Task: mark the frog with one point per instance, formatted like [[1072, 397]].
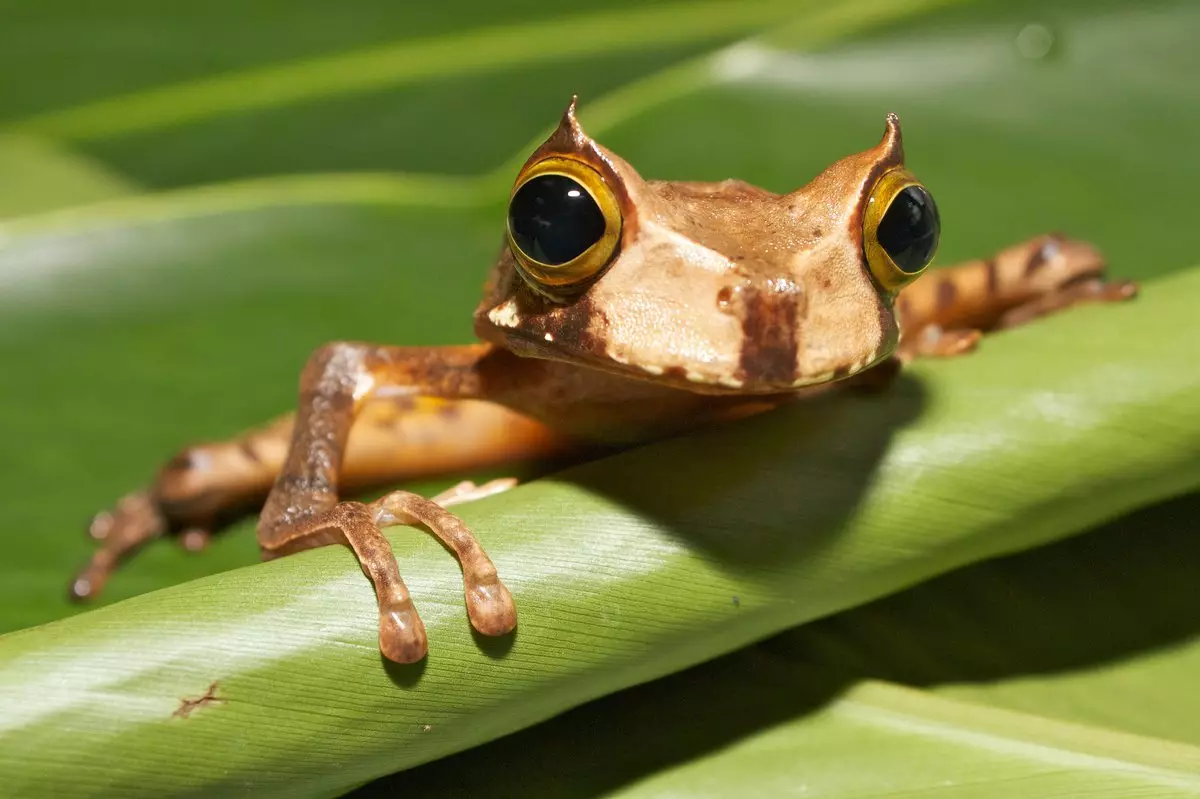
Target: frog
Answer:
[[619, 310]]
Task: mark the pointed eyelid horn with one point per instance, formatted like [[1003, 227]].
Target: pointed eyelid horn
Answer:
[[853, 175], [568, 138]]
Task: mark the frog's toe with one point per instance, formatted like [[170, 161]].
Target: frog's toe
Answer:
[[136, 511], [1118, 290], [490, 607], [195, 539], [134, 520], [101, 524], [402, 635], [89, 581]]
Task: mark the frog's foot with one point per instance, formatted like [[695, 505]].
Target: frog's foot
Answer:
[[490, 606], [402, 637], [1084, 291], [135, 519], [195, 539]]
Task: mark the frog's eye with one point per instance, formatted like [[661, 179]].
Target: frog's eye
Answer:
[[564, 223], [900, 229]]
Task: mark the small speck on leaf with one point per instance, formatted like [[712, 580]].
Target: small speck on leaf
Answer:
[[186, 705]]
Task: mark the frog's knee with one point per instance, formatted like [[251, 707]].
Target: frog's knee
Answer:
[[186, 475]]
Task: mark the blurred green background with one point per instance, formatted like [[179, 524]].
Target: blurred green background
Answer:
[[194, 196]]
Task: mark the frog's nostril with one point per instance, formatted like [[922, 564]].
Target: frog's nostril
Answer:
[[725, 299]]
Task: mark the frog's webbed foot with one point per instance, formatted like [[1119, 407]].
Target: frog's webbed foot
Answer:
[[133, 521]]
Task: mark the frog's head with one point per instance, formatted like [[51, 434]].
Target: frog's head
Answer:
[[715, 287]]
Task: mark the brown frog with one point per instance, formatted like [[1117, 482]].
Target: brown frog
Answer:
[[619, 310]]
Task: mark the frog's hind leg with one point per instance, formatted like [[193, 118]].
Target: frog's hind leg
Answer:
[[948, 310], [393, 440], [194, 493]]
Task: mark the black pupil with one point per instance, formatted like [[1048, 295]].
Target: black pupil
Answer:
[[909, 229], [553, 219]]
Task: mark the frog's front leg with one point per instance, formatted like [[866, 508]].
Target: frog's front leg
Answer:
[[393, 439], [303, 509], [948, 310]]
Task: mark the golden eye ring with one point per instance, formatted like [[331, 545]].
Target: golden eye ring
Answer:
[[564, 224], [901, 229]]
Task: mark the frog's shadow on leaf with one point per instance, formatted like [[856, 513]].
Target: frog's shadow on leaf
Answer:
[[822, 451]]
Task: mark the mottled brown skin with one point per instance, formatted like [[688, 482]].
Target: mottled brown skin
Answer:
[[720, 300]]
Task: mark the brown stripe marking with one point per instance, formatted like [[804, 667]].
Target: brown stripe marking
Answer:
[[676, 373], [1037, 259], [182, 462], [573, 326], [769, 343], [246, 447], [947, 293], [993, 277]]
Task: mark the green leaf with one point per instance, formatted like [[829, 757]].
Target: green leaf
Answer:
[[623, 571], [1098, 631], [133, 326], [51, 177], [749, 725], [919, 744], [136, 46], [409, 61]]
